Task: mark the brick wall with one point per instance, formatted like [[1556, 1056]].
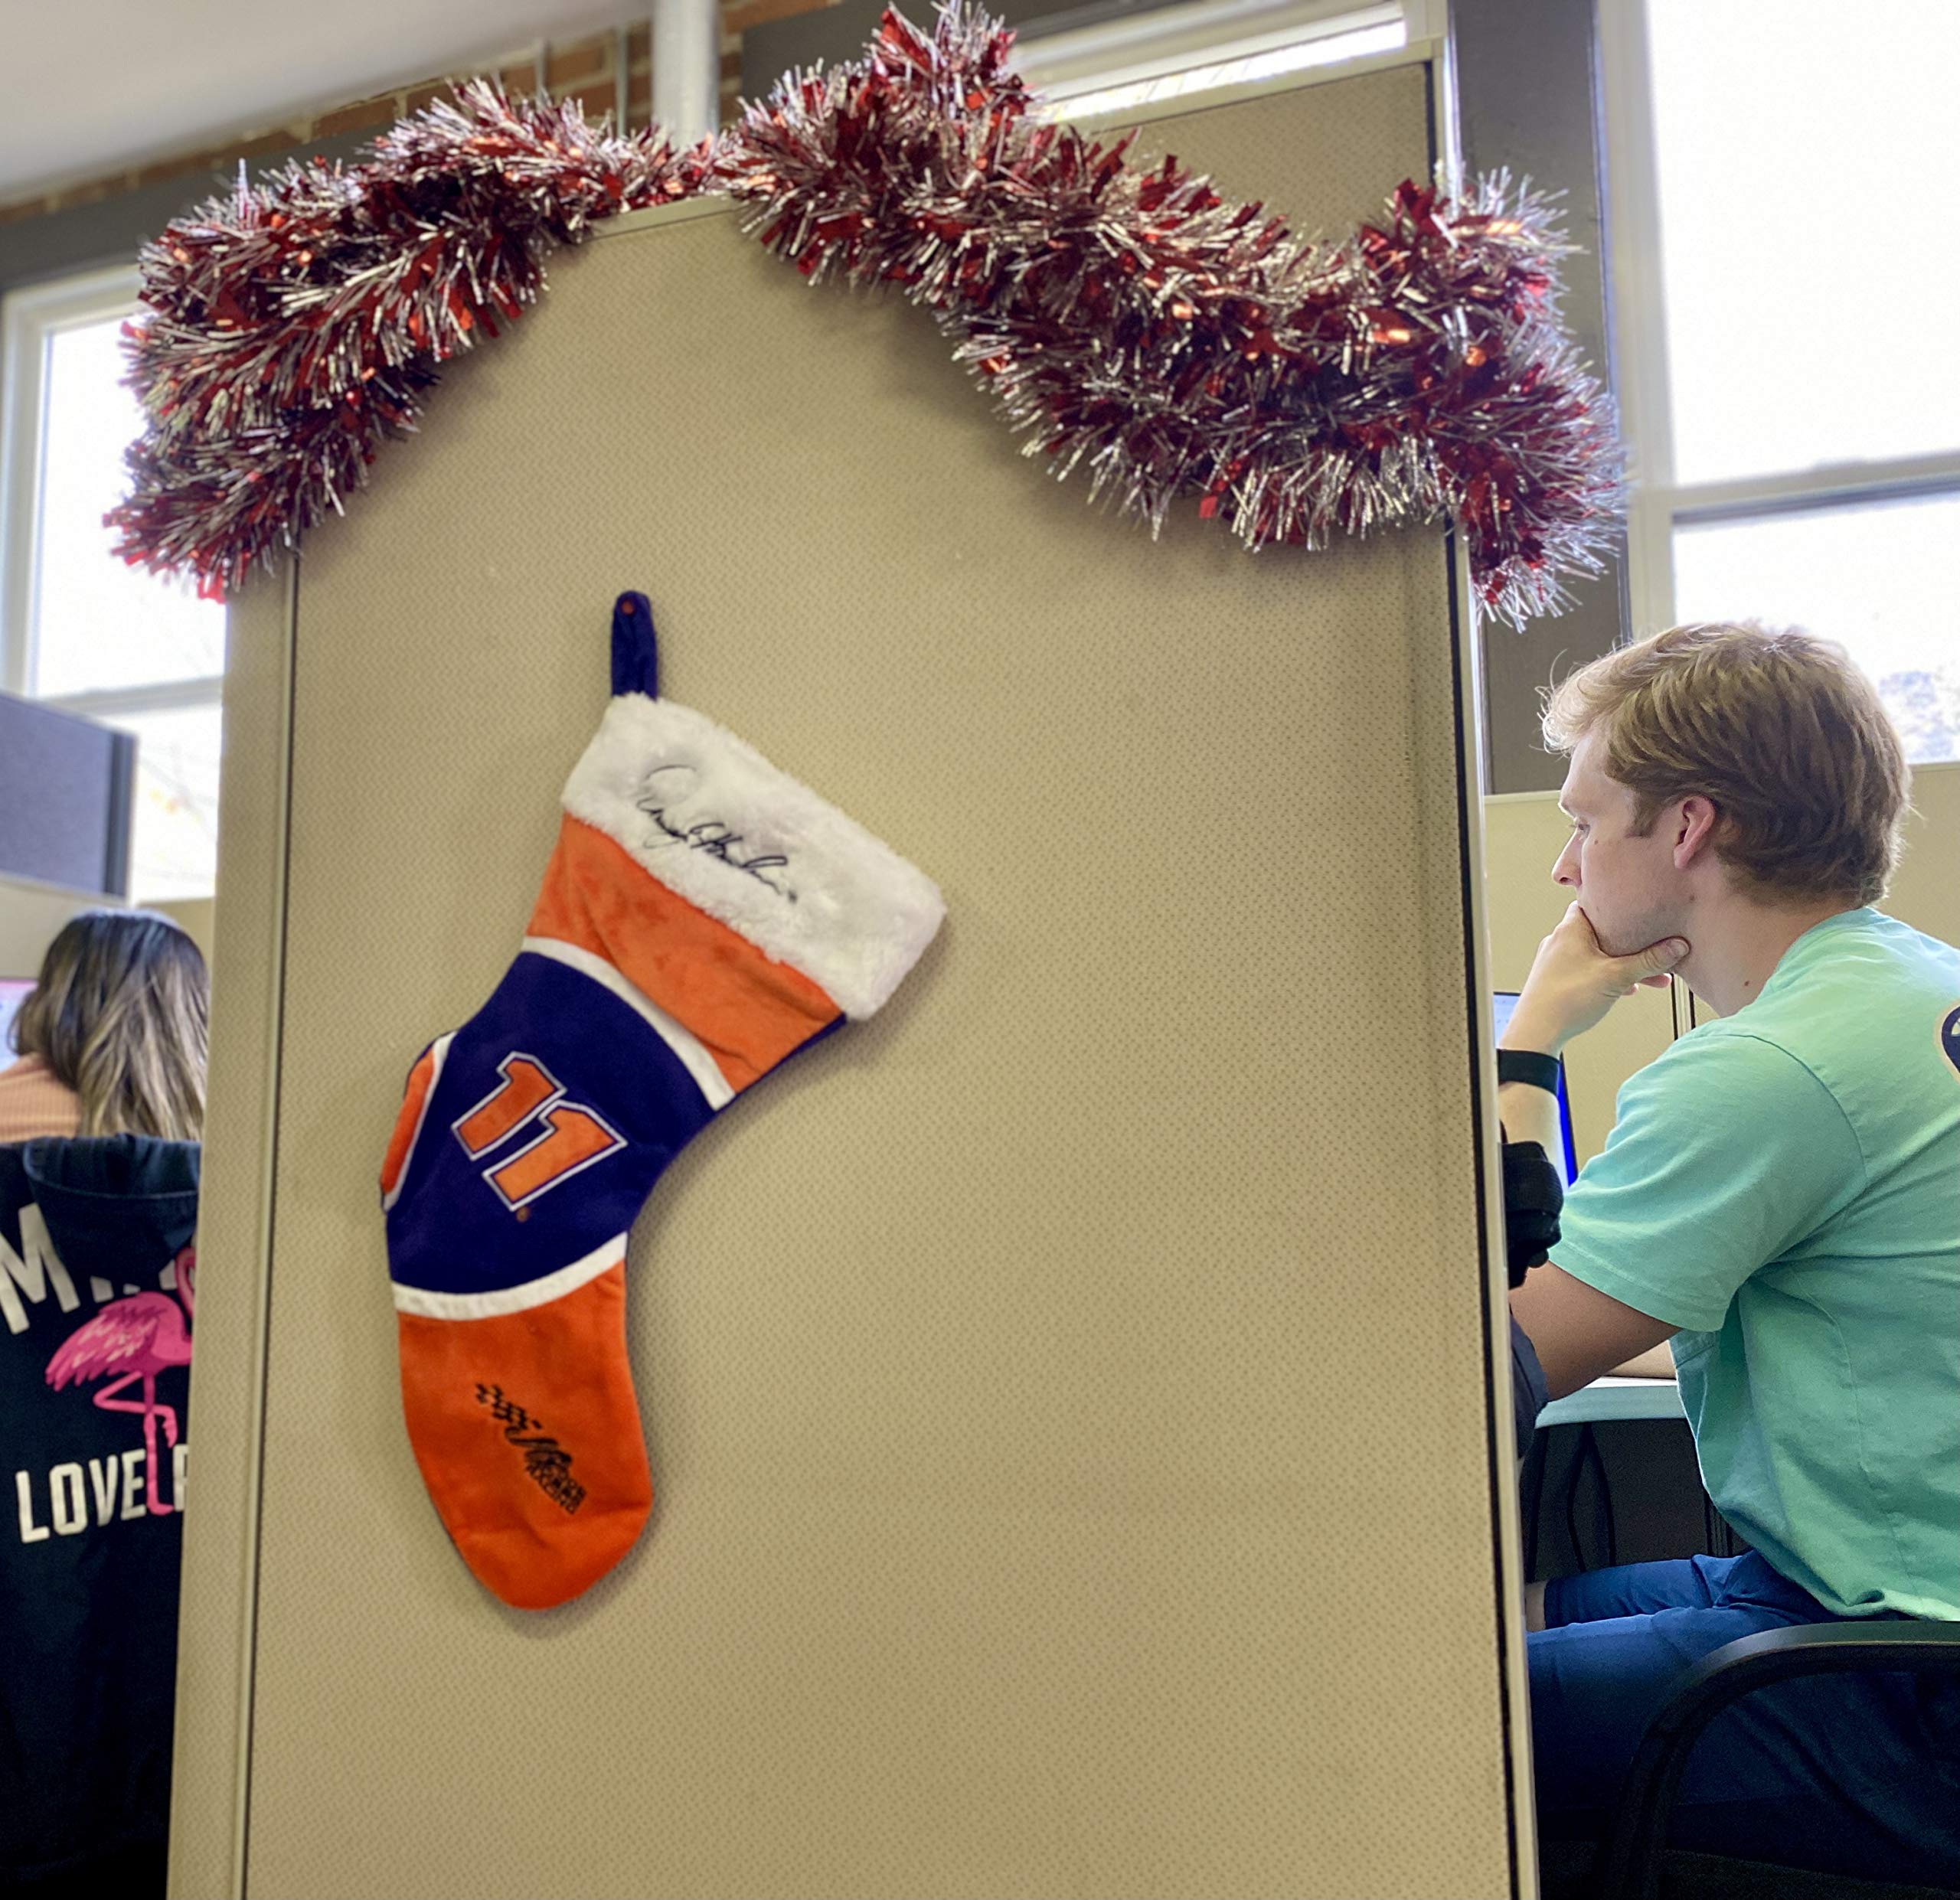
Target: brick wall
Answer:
[[588, 69]]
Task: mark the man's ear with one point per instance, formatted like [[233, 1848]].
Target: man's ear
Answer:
[[1695, 821]]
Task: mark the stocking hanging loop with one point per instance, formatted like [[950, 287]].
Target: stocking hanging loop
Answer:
[[635, 648]]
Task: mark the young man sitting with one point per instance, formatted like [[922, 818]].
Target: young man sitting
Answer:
[[1780, 1200]]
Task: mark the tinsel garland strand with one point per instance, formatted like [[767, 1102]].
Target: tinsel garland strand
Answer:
[[292, 329], [1132, 320]]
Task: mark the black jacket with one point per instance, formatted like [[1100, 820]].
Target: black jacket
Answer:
[[97, 1282]]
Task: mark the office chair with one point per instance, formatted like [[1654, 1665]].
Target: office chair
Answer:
[[1636, 1863]]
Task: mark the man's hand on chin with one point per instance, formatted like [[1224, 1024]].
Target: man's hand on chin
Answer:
[[1574, 982]]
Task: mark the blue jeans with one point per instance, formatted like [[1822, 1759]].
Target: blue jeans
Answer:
[[1856, 1774]]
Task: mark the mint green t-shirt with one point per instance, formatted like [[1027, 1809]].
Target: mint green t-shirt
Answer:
[[1784, 1186]]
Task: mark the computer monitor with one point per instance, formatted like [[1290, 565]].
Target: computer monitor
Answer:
[[68, 796], [14, 991], [1502, 1003]]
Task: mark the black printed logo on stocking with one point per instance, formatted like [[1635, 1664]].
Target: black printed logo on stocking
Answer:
[[547, 1462]]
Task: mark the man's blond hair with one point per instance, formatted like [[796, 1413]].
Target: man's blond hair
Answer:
[[1776, 729]]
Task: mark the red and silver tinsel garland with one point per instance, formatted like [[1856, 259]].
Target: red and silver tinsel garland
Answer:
[[1133, 320]]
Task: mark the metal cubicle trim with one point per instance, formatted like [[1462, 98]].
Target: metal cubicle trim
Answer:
[[1507, 1524], [211, 1795], [268, 1221], [1474, 769]]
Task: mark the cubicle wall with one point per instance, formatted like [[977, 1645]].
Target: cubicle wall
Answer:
[[1069, 1394], [32, 916]]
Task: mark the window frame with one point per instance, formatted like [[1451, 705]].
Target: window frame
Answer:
[[1105, 72], [33, 315], [1658, 502]]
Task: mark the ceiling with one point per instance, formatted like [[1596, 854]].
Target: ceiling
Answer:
[[98, 85]]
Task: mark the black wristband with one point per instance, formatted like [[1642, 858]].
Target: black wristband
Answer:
[[1528, 1066]]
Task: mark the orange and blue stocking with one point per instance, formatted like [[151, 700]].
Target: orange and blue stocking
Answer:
[[703, 917]]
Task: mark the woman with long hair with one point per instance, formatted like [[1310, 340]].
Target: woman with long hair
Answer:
[[95, 1372], [114, 1039]]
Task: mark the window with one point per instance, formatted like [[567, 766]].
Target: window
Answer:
[[1135, 61], [1795, 441], [80, 630]]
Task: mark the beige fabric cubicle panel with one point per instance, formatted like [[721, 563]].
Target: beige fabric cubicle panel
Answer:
[[1066, 1393]]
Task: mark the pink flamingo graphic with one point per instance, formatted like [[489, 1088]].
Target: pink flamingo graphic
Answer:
[[136, 1338]]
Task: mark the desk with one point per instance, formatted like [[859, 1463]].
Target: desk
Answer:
[[1615, 1398], [1608, 1401]]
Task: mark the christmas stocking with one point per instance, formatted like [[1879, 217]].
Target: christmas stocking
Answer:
[[704, 916]]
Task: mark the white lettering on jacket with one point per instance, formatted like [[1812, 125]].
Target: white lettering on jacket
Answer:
[[32, 1270], [58, 1505]]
